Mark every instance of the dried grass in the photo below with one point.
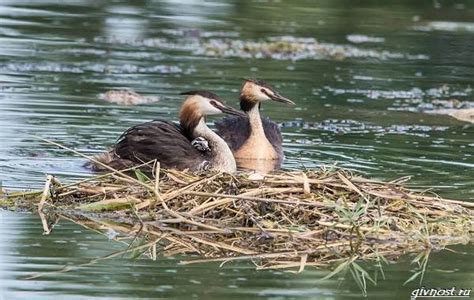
(286, 220)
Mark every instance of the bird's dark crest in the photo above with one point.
(248, 103)
(205, 94)
(260, 83)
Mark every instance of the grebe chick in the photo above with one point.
(256, 142)
(171, 144)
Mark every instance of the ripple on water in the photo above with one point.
(361, 38)
(446, 26)
(83, 67)
(348, 126)
(375, 94)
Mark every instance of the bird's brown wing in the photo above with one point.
(160, 140)
(236, 130)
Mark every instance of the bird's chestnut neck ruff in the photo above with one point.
(189, 118)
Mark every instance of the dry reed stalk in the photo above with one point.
(286, 220)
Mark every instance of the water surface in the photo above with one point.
(361, 74)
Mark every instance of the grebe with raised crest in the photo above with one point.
(174, 145)
(255, 141)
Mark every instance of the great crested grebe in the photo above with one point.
(171, 144)
(256, 142)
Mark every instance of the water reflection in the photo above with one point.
(28, 252)
(125, 22)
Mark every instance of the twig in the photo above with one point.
(311, 204)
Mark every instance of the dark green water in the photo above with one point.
(359, 94)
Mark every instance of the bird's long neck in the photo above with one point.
(256, 126)
(257, 146)
(252, 109)
(222, 157)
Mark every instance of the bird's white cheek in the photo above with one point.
(261, 96)
(264, 97)
(214, 111)
(209, 109)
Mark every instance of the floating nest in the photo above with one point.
(280, 220)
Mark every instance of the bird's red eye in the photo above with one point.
(262, 90)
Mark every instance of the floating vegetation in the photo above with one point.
(443, 100)
(280, 48)
(418, 105)
(462, 110)
(285, 220)
(160, 43)
(127, 97)
(291, 48)
(466, 114)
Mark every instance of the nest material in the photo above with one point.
(280, 220)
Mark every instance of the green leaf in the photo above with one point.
(141, 176)
(380, 270)
(359, 281)
(363, 272)
(418, 258)
(413, 277)
(359, 208)
(337, 270)
(137, 253)
(382, 258)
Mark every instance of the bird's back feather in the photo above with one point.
(156, 140)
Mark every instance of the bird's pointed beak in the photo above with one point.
(279, 98)
(231, 111)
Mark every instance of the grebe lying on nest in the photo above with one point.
(256, 142)
(171, 144)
